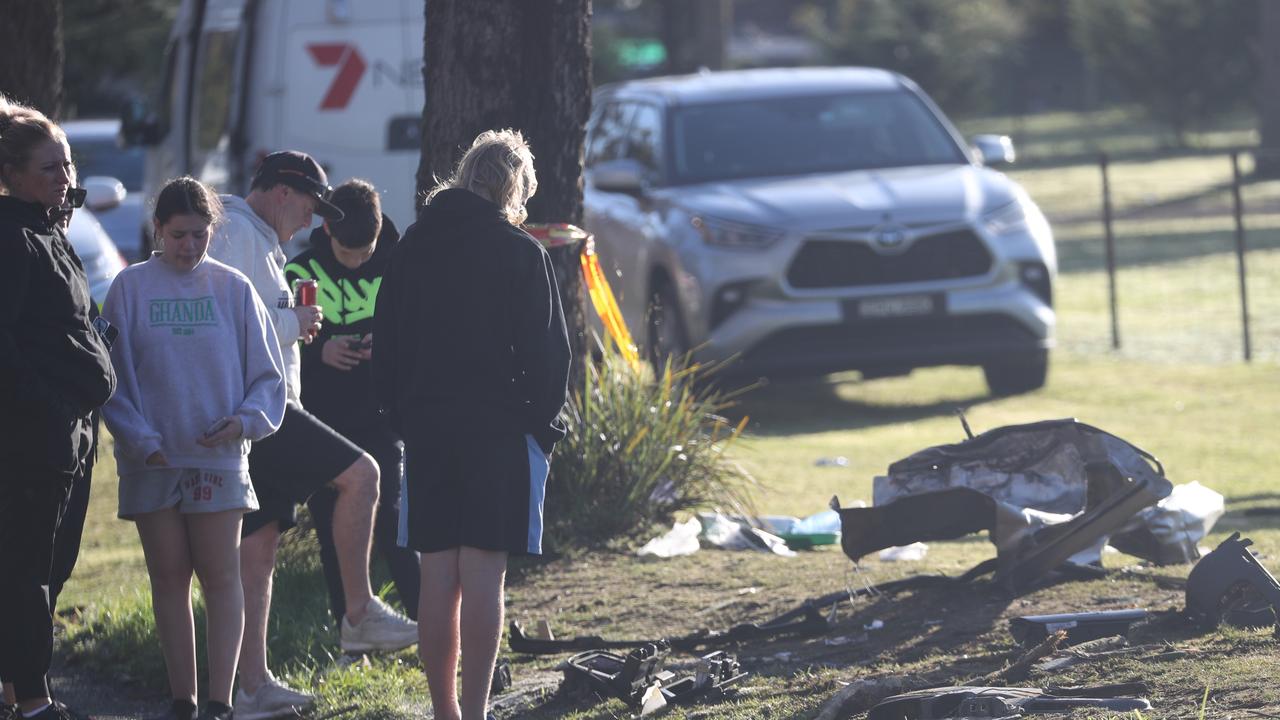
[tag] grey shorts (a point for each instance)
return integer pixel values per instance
(191, 490)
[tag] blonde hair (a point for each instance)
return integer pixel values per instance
(22, 129)
(498, 167)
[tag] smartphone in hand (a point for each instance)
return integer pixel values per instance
(217, 427)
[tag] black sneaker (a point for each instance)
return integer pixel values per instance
(216, 711)
(178, 710)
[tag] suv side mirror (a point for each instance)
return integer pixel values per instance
(103, 193)
(994, 150)
(139, 125)
(621, 176)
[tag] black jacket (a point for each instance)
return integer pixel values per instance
(54, 368)
(469, 325)
(343, 399)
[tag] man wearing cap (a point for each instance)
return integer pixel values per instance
(305, 454)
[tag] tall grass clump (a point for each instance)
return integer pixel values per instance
(641, 446)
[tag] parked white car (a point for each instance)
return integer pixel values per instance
(102, 260)
(815, 220)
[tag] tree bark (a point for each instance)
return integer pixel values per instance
(31, 35)
(1268, 48)
(526, 65)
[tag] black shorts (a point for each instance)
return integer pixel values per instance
(302, 456)
(473, 489)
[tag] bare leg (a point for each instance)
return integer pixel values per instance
(353, 532)
(482, 574)
(438, 640)
(164, 544)
(215, 554)
(257, 562)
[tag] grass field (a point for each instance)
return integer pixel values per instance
(1176, 388)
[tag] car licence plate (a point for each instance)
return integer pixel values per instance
(893, 306)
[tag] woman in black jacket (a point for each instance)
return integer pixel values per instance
(472, 366)
(55, 371)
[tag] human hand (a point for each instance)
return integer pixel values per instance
(338, 354)
(224, 430)
(157, 459)
(309, 318)
(366, 347)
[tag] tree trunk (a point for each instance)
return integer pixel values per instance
(31, 35)
(1268, 48)
(492, 64)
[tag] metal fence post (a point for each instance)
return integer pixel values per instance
(1111, 251)
(1240, 253)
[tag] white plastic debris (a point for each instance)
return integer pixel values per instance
(904, 553)
(728, 533)
(681, 539)
(837, 461)
(874, 625)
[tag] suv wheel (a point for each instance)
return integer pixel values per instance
(1018, 375)
(666, 336)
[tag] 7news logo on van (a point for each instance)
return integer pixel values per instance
(351, 67)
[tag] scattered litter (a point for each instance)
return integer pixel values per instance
(837, 461)
(842, 640)
(726, 533)
(681, 539)
(653, 700)
(904, 553)
(782, 656)
(874, 625)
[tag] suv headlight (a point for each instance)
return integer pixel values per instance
(1007, 220)
(735, 235)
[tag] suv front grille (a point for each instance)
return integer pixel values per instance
(853, 263)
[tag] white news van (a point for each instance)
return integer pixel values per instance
(338, 79)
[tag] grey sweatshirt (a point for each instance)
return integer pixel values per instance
(247, 243)
(194, 347)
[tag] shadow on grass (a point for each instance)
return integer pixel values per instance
(795, 407)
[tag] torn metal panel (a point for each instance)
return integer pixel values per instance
(1170, 532)
(1230, 584)
(605, 673)
(1036, 465)
(991, 702)
(1118, 480)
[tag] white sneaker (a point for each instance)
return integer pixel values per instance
(381, 629)
(273, 700)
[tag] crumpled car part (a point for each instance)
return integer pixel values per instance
(994, 703)
(1031, 630)
(713, 677)
(605, 673)
(1169, 533)
(1118, 480)
(1229, 584)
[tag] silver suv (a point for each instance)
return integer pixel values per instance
(816, 220)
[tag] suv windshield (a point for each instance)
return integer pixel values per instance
(797, 136)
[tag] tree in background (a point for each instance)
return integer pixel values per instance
(114, 50)
(951, 49)
(524, 65)
(1268, 90)
(31, 35)
(1184, 61)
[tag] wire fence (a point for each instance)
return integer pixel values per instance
(1173, 257)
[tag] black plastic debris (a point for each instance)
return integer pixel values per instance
(501, 677)
(606, 673)
(992, 702)
(1230, 585)
(1031, 630)
(712, 678)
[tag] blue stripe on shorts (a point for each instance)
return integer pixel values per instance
(538, 468)
(402, 530)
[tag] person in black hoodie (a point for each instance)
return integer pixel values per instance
(55, 372)
(347, 259)
(472, 367)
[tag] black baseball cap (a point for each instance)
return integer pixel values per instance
(301, 172)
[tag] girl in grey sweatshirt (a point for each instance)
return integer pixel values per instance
(200, 377)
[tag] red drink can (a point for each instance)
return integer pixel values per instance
(306, 290)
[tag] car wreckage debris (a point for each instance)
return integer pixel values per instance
(633, 678)
(931, 496)
(1229, 584)
(1080, 627)
(996, 702)
(804, 620)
